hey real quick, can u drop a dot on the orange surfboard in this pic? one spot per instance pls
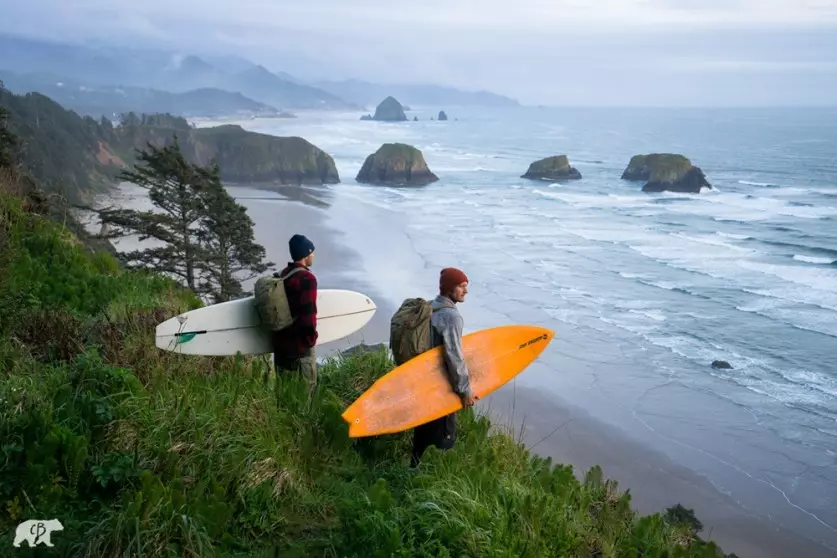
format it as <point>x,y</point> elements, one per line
<point>419,391</point>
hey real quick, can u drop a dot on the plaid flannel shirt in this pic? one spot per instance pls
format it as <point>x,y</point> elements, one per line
<point>300,337</point>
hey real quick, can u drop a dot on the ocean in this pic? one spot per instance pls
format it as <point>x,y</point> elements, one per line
<point>644,291</point>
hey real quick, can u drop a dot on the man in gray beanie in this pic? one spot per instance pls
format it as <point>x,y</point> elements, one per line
<point>293,347</point>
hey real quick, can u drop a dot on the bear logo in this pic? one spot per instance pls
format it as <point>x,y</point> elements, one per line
<point>36,531</point>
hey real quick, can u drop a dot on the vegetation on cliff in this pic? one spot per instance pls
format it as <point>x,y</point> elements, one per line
<point>78,156</point>
<point>396,164</point>
<point>552,168</point>
<point>61,150</point>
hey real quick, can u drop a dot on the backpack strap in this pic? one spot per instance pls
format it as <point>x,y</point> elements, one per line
<point>279,275</point>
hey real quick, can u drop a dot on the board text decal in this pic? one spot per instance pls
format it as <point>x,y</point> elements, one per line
<point>533,341</point>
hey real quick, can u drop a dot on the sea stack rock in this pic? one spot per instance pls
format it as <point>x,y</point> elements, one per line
<point>442,115</point>
<point>552,168</point>
<point>666,172</point>
<point>390,110</point>
<point>396,164</point>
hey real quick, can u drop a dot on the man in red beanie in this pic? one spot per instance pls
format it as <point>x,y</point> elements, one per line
<point>446,329</point>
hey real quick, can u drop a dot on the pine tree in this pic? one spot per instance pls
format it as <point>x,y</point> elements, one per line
<point>204,238</point>
<point>174,186</point>
<point>9,142</point>
<point>230,252</point>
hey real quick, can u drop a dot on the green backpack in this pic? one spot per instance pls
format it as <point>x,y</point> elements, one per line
<point>271,301</point>
<point>409,330</point>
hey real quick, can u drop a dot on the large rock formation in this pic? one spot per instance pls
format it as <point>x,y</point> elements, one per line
<point>390,110</point>
<point>396,164</point>
<point>443,115</point>
<point>552,168</point>
<point>243,156</point>
<point>666,172</point>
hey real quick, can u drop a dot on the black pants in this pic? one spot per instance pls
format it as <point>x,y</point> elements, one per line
<point>440,433</point>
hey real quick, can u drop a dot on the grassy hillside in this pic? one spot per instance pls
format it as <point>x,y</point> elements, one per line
<point>146,453</point>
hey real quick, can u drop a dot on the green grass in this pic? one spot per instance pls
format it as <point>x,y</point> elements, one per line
<point>145,453</point>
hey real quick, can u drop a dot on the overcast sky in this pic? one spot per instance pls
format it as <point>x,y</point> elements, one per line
<point>613,52</point>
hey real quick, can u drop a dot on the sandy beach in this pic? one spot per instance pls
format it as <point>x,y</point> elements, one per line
<point>549,426</point>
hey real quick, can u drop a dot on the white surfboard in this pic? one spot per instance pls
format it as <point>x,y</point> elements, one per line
<point>230,327</point>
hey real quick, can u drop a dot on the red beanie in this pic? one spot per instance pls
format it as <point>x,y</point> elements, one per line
<point>450,278</point>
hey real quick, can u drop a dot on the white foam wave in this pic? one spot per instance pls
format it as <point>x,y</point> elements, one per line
<point>786,386</point>
<point>750,183</point>
<point>798,294</point>
<point>734,236</point>
<point>823,279</point>
<point>637,328</point>
<point>667,285</point>
<point>593,201</point>
<point>741,207</point>
<point>814,259</point>
<point>712,241</point>
<point>816,320</point>
<point>655,315</point>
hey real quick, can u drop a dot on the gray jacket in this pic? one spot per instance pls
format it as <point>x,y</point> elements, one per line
<point>446,329</point>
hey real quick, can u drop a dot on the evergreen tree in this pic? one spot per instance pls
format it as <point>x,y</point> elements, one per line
<point>202,236</point>
<point>226,235</point>
<point>174,186</point>
<point>9,141</point>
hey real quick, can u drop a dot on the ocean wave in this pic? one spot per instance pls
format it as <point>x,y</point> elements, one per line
<point>762,184</point>
<point>712,241</point>
<point>790,386</point>
<point>803,245</point>
<point>814,260</point>
<point>675,287</point>
<point>746,208</point>
<point>798,294</point>
<point>815,320</point>
<point>734,236</point>
<point>822,279</point>
<point>637,328</point>
<point>592,201</point>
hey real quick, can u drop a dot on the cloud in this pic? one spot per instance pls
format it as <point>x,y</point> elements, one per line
<point>362,17</point>
<point>542,51</point>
